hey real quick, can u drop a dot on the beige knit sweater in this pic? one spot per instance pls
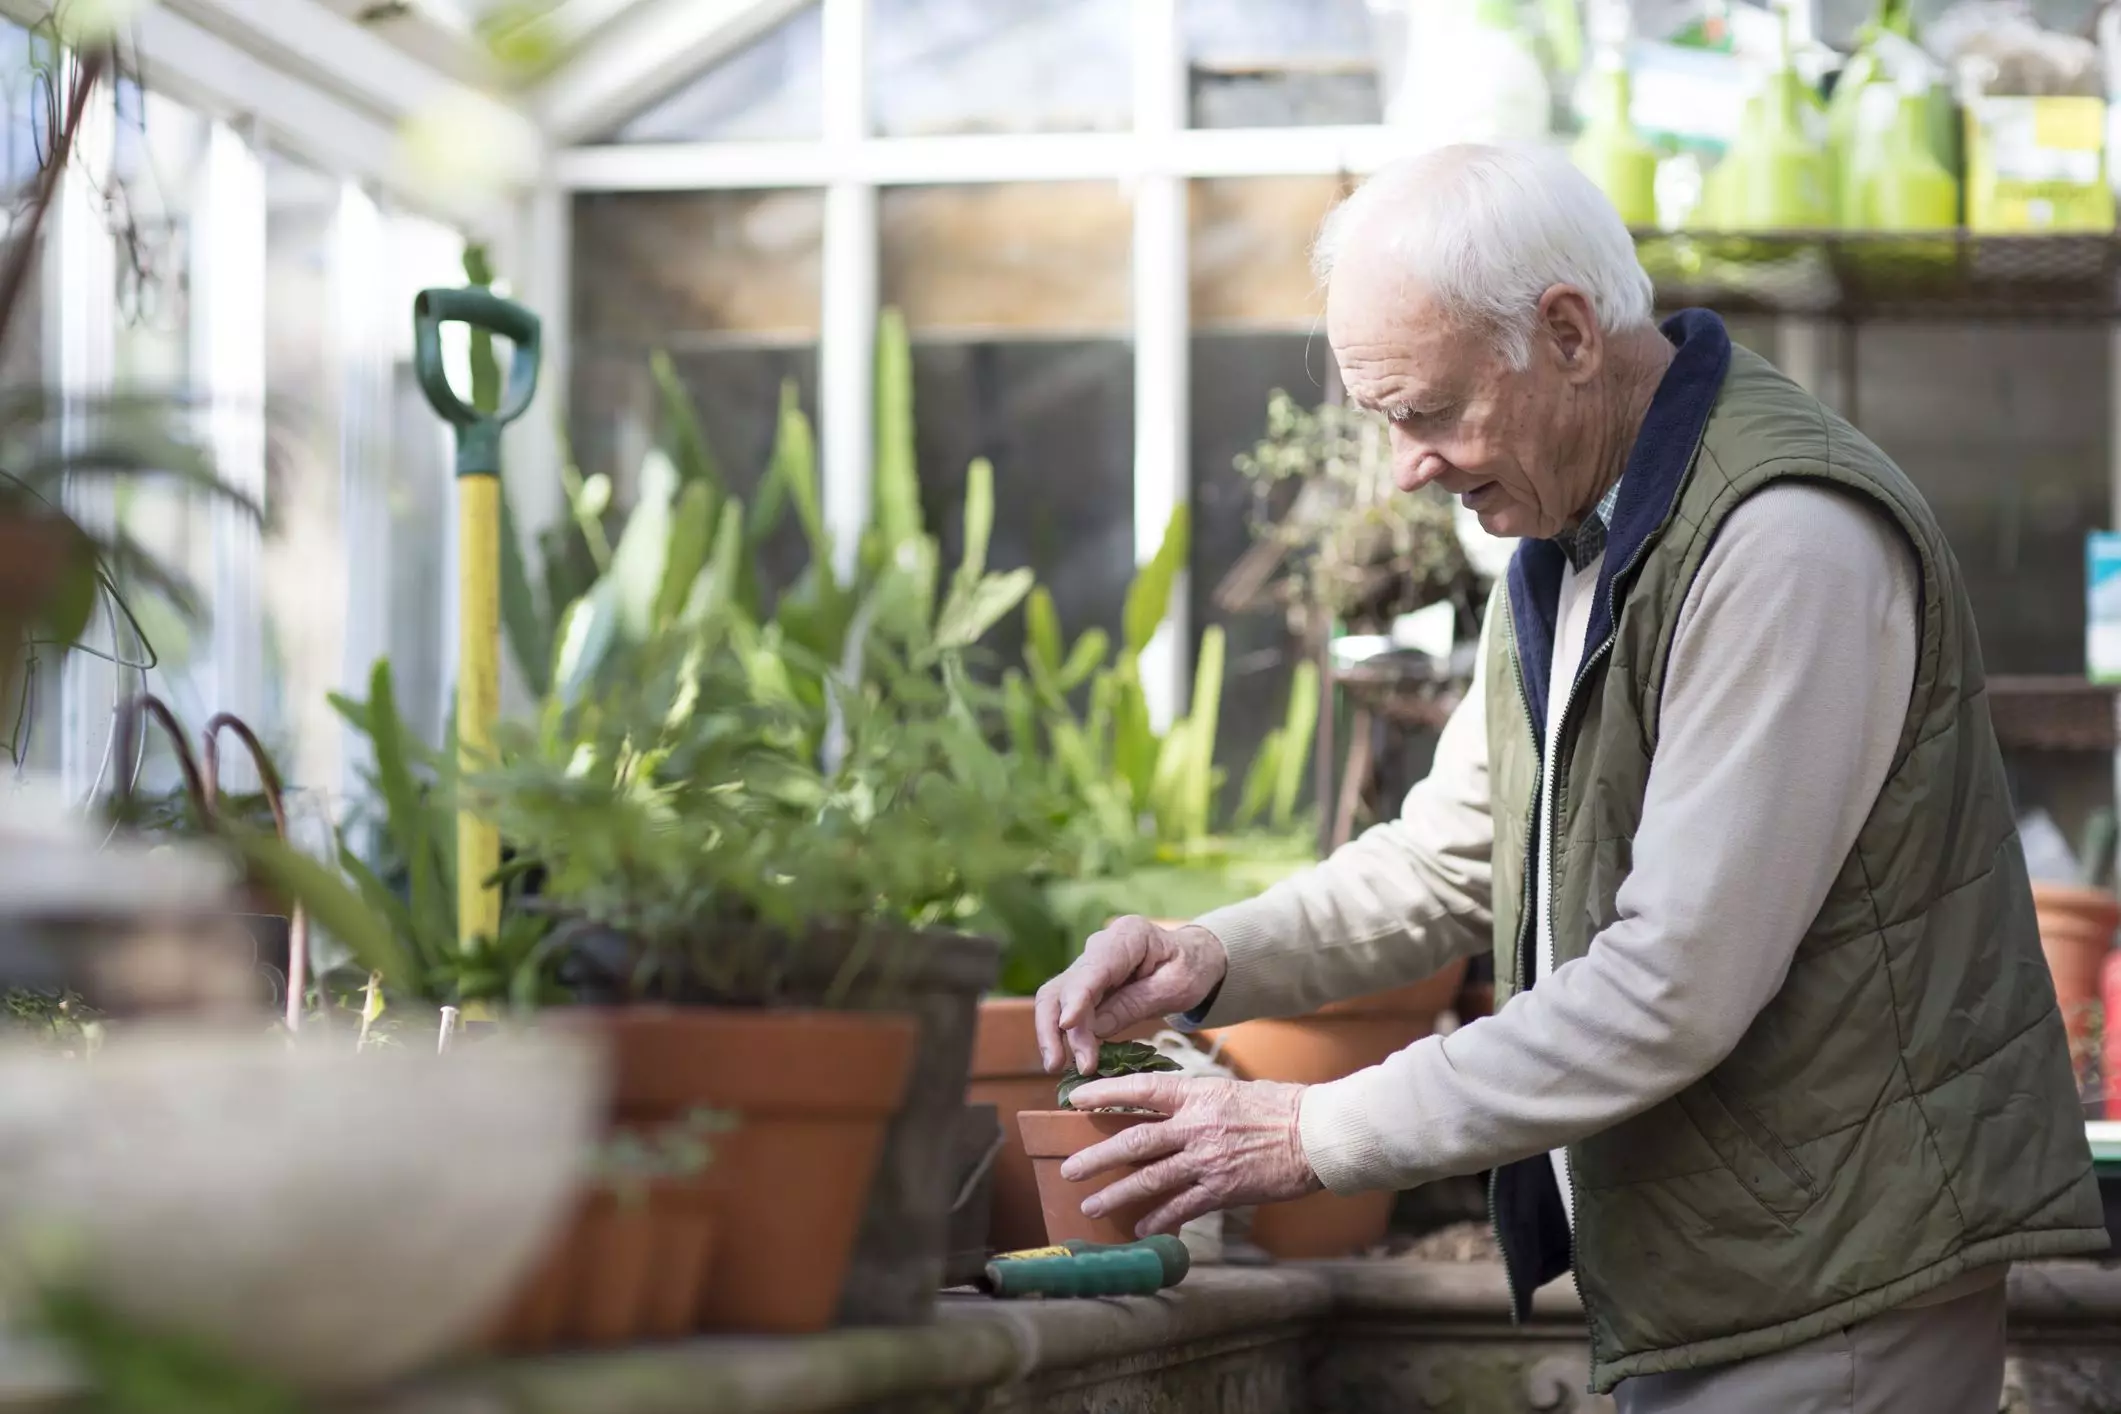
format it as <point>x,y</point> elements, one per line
<point>1790,676</point>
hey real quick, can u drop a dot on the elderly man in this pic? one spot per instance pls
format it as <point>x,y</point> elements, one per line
<point>1778,1069</point>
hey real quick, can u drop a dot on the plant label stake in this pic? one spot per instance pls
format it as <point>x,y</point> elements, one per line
<point>478,555</point>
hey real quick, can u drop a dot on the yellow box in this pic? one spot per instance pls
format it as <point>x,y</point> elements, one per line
<point>2037,165</point>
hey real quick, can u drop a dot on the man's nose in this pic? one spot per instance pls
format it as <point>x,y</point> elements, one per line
<point>1415,465</point>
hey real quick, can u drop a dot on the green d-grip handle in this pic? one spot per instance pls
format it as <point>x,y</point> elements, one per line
<point>1092,1269</point>
<point>478,433</point>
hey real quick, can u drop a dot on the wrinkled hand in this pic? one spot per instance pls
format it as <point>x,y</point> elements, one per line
<point>1227,1144</point>
<point>1127,972</point>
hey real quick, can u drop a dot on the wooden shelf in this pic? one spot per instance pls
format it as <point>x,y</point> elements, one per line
<point>2053,713</point>
<point>1862,276</point>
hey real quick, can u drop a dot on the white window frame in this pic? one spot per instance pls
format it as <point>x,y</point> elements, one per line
<point>251,98</point>
<point>1156,160</point>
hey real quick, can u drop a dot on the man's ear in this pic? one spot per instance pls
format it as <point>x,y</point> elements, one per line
<point>1571,332</point>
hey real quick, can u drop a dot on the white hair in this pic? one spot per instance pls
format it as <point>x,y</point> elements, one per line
<point>1486,230</point>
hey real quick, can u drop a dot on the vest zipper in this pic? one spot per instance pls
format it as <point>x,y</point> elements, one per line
<point>1591,660</point>
<point>1527,921</point>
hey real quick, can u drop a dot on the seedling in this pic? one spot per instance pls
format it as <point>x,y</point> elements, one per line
<point>1115,1058</point>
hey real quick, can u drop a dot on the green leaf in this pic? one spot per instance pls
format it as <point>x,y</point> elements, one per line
<point>686,444</point>
<point>692,530</point>
<point>1020,712</point>
<point>971,612</point>
<point>1115,1058</point>
<point>1085,658</point>
<point>485,363</point>
<point>1261,778</point>
<point>1042,636</point>
<point>1202,725</point>
<point>1134,742</point>
<point>587,630</point>
<point>644,547</point>
<point>979,518</point>
<point>1298,732</point>
<point>717,589</point>
<point>795,468</point>
<point>1149,596</point>
<point>897,515</point>
<point>337,909</point>
<point>529,636</point>
<point>593,498</point>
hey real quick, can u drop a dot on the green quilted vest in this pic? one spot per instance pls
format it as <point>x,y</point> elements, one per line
<point>1903,1110</point>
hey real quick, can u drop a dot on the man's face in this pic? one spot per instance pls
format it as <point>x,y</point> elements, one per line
<point>1461,417</point>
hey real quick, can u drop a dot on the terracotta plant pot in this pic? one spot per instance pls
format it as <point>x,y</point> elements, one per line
<point>1006,1074</point>
<point>2110,1040</point>
<point>2076,933</point>
<point>622,1272</point>
<point>1334,1041</point>
<point>1051,1136</point>
<point>811,1092</point>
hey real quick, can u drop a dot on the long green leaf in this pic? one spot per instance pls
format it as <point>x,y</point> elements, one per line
<point>588,628</point>
<point>529,633</point>
<point>1134,743</point>
<point>685,442</point>
<point>1202,724</point>
<point>337,908</point>
<point>897,476</point>
<point>795,467</point>
<point>644,547</point>
<point>718,588</point>
<point>1299,730</point>
<point>1149,596</point>
<point>970,612</point>
<point>1042,637</point>
<point>386,905</point>
<point>1085,658</point>
<point>692,532</point>
<point>1020,713</point>
<point>1261,778</point>
<point>979,518</point>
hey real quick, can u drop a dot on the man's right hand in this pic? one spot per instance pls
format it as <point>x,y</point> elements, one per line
<point>1127,973</point>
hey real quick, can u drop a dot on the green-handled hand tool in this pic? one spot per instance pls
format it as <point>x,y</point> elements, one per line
<point>1079,1268</point>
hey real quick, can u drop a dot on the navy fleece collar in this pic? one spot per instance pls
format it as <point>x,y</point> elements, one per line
<point>1649,487</point>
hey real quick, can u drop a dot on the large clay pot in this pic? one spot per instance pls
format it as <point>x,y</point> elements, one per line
<point>1006,1074</point>
<point>1334,1041</point>
<point>2076,933</point>
<point>1050,1137</point>
<point>812,1093</point>
<point>627,1268</point>
<point>2109,1106</point>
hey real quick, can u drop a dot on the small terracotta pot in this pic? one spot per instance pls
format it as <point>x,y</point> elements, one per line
<point>811,1092</point>
<point>2076,933</point>
<point>1334,1041</point>
<point>1007,1074</point>
<point>1051,1136</point>
<point>2110,1040</point>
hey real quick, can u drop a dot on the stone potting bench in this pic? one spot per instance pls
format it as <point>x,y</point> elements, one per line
<point>1390,1336</point>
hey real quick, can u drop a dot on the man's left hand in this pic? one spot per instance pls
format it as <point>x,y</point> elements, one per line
<point>1227,1144</point>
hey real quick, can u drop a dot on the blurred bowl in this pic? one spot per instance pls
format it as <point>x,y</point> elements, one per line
<point>332,1219</point>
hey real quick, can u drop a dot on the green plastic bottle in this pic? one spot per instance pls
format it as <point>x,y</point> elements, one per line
<point>1781,180</point>
<point>1905,188</point>
<point>1611,153</point>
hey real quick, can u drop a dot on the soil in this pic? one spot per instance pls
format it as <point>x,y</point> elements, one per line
<point>1459,1242</point>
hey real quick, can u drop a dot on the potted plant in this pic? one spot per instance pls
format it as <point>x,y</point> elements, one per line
<point>1051,1137</point>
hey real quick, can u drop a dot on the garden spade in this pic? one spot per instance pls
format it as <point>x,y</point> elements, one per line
<point>478,554</point>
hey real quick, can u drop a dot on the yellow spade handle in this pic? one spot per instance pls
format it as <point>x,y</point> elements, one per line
<point>478,693</point>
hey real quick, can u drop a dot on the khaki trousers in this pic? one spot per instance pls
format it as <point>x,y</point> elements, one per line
<point>1940,1359</point>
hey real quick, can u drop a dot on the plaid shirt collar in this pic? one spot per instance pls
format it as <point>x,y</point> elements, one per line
<point>1587,541</point>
